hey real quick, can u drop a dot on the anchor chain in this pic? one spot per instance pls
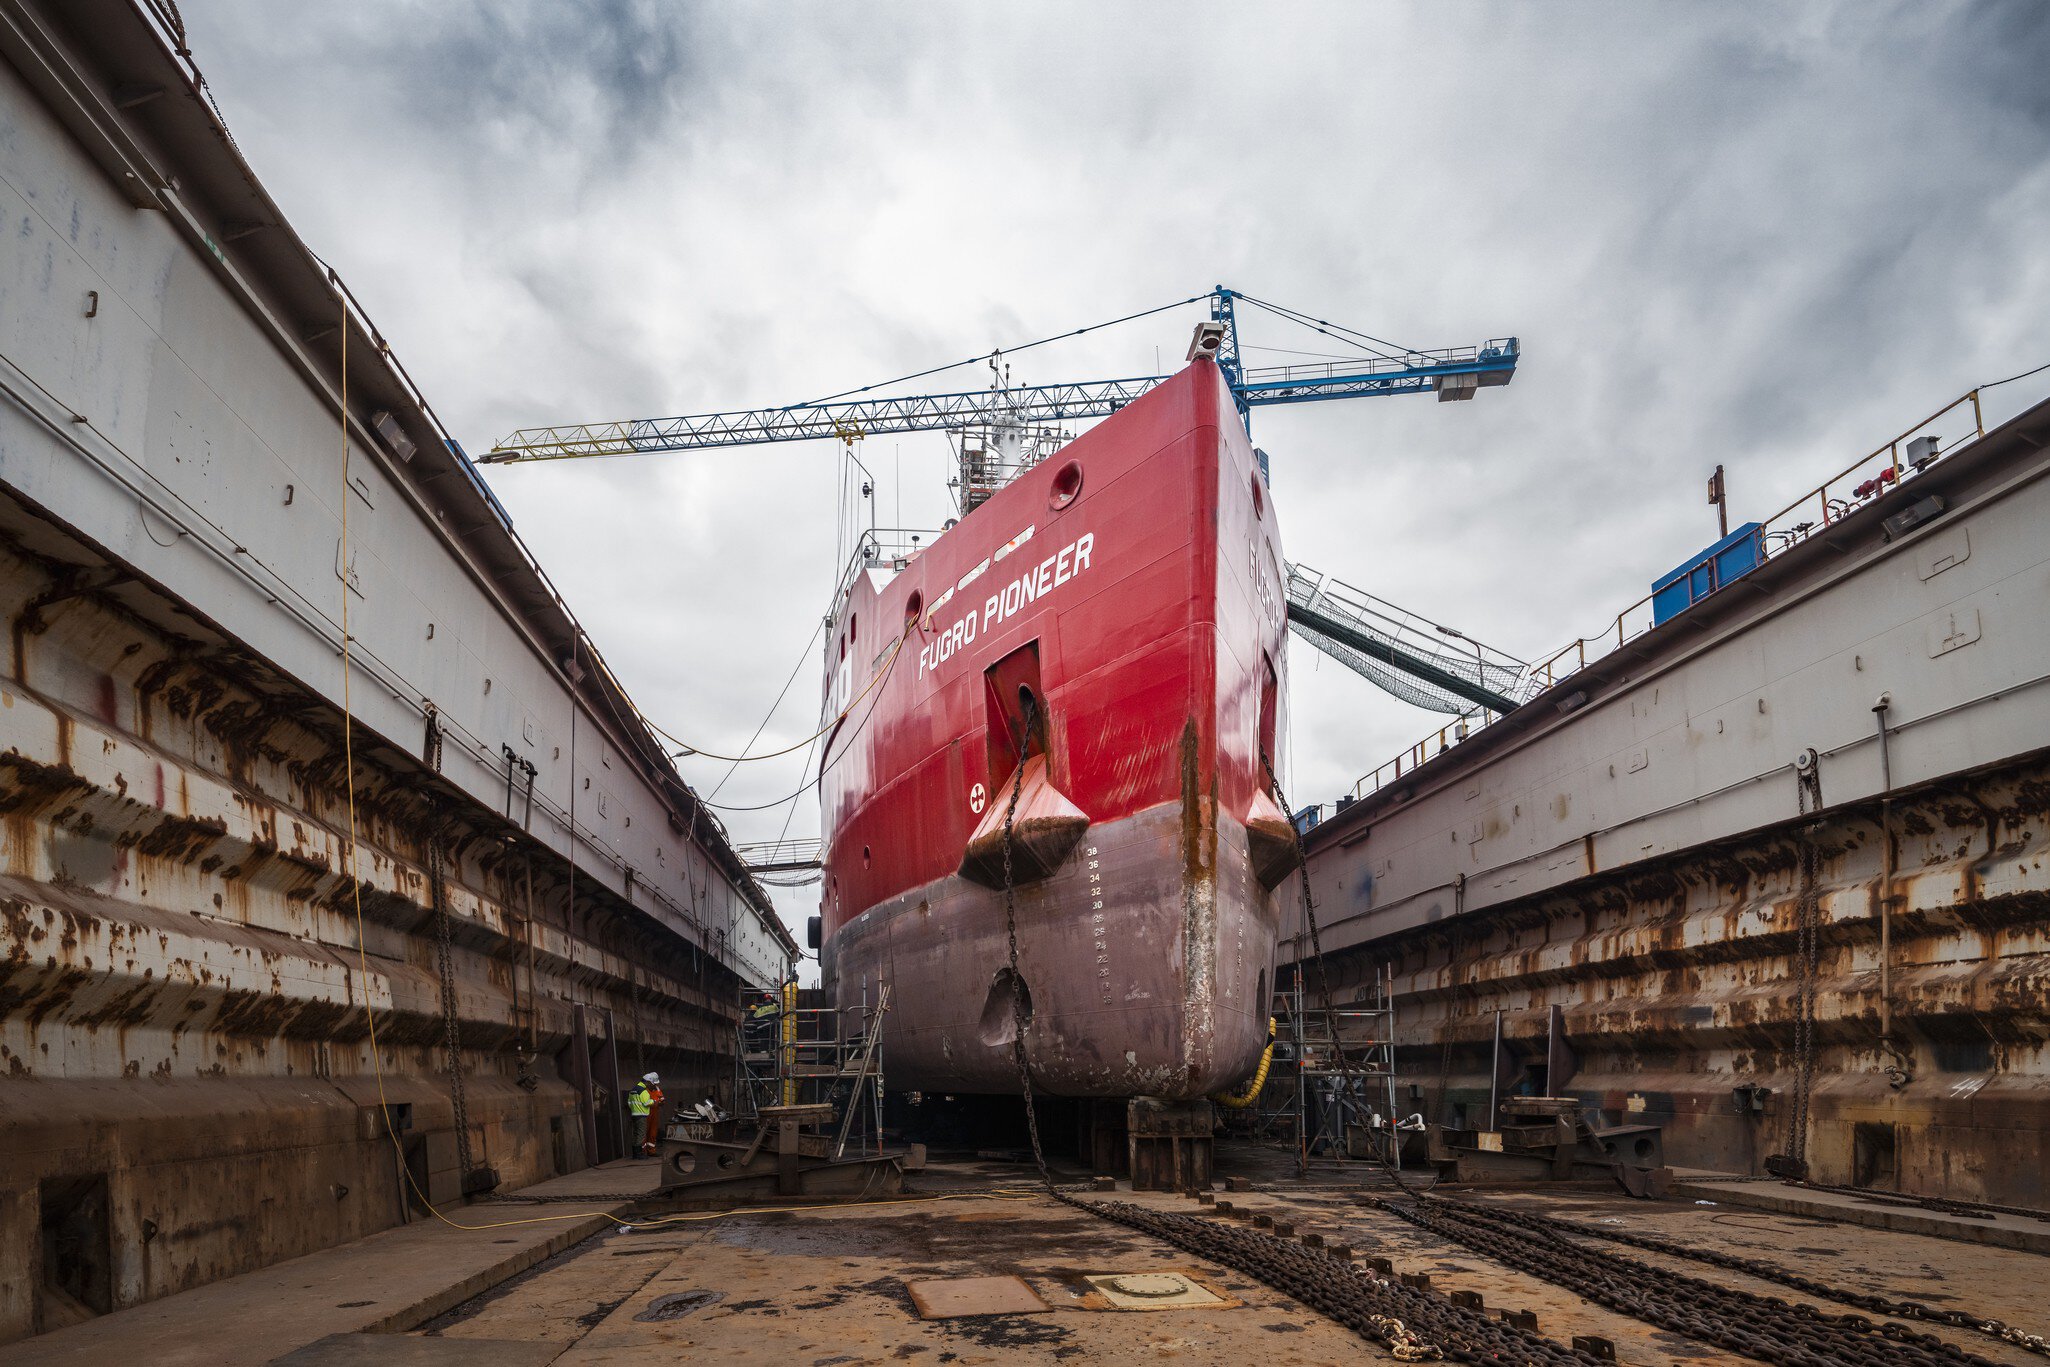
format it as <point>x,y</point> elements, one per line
<point>1943,1205</point>
<point>1763,1327</point>
<point>1418,1326</point>
<point>1011,933</point>
<point>1413,1325</point>
<point>1772,1272</point>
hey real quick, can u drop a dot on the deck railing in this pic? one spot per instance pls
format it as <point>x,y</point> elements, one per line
<point>1872,475</point>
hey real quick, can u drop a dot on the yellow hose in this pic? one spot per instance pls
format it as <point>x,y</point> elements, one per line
<point>1239,1101</point>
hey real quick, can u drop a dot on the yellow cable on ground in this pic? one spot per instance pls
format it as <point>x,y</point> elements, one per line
<point>1239,1101</point>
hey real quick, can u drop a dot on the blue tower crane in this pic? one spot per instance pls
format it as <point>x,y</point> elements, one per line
<point>1376,367</point>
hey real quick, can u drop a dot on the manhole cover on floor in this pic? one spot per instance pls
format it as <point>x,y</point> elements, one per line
<point>1152,1291</point>
<point>950,1297</point>
<point>679,1304</point>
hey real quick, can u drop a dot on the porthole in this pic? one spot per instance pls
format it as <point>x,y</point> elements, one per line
<point>1259,497</point>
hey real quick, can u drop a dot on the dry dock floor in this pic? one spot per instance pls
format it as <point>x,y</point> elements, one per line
<point>829,1287</point>
<point>840,1286</point>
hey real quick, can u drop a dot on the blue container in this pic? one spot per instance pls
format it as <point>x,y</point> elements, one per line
<point>1729,559</point>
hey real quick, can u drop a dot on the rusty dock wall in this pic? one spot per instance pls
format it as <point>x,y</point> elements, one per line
<point>1620,870</point>
<point>190,949</point>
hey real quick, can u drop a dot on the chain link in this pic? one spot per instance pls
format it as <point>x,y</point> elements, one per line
<point>1945,1205</point>
<point>1762,1327</point>
<point>1415,1325</point>
<point>1011,931</point>
<point>1767,1271</point>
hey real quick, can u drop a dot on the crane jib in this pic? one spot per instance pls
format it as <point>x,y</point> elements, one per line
<point>1452,372</point>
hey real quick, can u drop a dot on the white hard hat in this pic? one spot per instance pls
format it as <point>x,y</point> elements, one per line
<point>651,1077</point>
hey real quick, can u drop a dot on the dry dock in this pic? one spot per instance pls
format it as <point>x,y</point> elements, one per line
<point>1828,782</point>
<point>843,1285</point>
<point>225,840</point>
<point>296,739</point>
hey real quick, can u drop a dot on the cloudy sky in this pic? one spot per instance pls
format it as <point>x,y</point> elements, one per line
<point>1762,235</point>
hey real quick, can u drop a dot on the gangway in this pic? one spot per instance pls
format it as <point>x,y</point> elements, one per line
<point>1422,662</point>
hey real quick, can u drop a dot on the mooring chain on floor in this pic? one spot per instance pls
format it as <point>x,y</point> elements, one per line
<point>1413,1325</point>
<point>1772,1330</point>
<point>1945,1205</point>
<point>1768,1271</point>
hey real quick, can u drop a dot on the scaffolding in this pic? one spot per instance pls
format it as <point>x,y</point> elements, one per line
<point>1344,1065</point>
<point>1331,1089</point>
<point>814,1055</point>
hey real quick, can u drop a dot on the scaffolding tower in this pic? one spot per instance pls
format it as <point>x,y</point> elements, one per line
<point>1331,1088</point>
<point>814,1055</point>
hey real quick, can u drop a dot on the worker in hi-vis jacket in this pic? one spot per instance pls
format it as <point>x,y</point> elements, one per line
<point>645,1102</point>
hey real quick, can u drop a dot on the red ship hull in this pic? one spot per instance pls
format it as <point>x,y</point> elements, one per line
<point>1117,615</point>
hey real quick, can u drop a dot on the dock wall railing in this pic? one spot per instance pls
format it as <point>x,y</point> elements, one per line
<point>1894,464</point>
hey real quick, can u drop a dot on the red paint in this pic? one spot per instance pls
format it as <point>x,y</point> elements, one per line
<point>1156,612</point>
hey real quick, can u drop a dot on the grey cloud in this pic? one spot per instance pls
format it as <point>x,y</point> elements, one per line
<point>1755,234</point>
